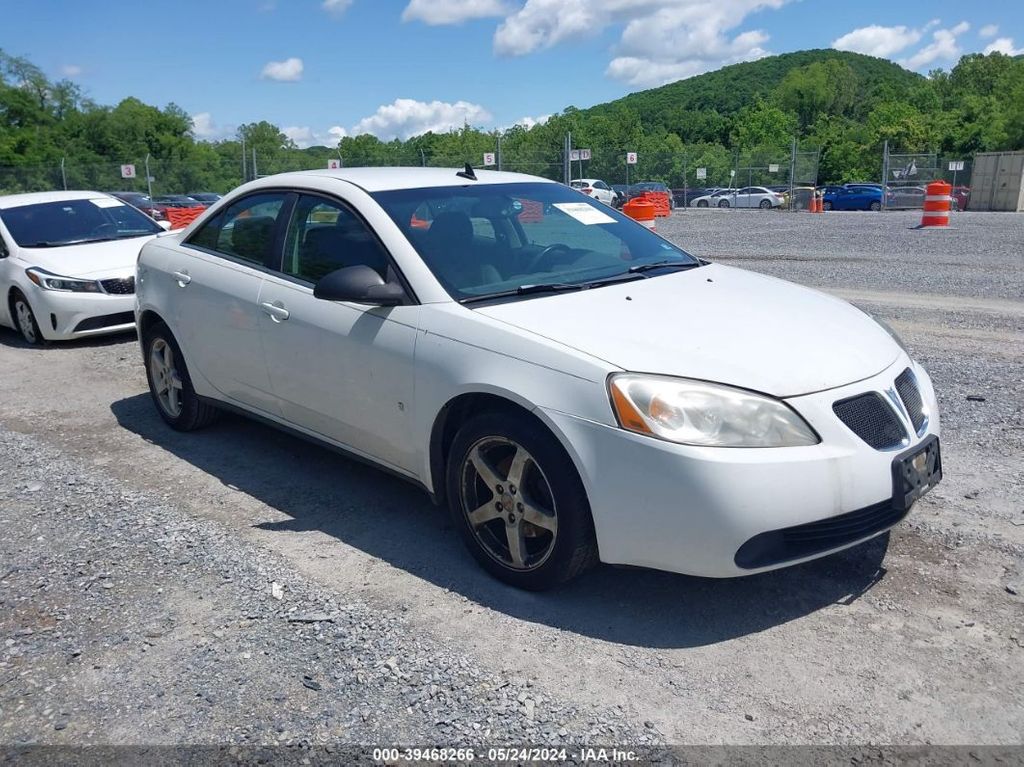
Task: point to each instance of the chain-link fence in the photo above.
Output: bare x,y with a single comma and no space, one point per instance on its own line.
690,171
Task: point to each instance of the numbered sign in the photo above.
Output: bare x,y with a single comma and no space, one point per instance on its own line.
584,154
631,158
702,173
773,167
489,159
127,171
333,164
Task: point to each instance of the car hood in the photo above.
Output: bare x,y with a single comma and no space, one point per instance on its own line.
97,259
715,323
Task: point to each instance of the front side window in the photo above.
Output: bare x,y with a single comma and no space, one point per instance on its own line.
324,236
76,222
535,234
245,230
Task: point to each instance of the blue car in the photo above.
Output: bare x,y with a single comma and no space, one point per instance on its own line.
853,197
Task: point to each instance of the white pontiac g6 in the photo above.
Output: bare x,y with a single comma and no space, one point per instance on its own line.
574,387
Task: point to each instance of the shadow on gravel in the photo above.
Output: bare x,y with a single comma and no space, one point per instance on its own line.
395,521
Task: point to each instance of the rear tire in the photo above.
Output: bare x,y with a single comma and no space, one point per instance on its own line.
25,320
764,205
875,206
702,203
826,206
518,502
170,385
723,203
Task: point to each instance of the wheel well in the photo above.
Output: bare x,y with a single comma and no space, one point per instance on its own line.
451,418
147,322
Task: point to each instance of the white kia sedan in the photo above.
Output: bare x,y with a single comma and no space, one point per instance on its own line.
574,387
67,264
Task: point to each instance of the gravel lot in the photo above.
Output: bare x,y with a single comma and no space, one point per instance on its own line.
240,586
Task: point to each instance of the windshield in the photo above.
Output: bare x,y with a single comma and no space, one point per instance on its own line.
488,240
74,222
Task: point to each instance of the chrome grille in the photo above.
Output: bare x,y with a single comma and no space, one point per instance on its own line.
906,385
119,287
871,418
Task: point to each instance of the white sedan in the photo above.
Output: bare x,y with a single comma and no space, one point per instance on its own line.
574,387
67,264
596,188
747,197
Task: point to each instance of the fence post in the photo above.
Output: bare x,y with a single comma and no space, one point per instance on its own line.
498,152
149,178
255,173
63,175
885,171
792,175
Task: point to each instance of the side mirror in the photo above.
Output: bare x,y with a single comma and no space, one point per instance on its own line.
164,224
359,284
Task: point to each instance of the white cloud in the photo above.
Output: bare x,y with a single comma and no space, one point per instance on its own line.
878,41
438,12
287,71
306,137
1003,45
71,70
663,40
336,8
944,47
204,128
407,117
989,30
529,122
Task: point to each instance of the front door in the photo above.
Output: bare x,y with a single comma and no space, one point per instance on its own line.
342,370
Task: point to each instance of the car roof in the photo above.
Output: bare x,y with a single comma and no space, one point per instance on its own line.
35,198
387,179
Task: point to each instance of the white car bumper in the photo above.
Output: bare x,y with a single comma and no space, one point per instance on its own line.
690,509
65,316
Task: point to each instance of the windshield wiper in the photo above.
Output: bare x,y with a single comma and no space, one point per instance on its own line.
525,290
662,265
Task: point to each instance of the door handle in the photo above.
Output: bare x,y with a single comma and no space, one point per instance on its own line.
277,313
183,278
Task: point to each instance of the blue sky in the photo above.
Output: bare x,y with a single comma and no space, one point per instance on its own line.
325,68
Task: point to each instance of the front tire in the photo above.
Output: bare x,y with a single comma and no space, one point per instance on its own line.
170,385
827,206
25,320
702,203
875,206
518,502
723,203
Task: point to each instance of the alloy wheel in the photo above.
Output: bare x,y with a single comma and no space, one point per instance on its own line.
26,323
508,503
166,380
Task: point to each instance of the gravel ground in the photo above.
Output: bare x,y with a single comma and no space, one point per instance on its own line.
138,566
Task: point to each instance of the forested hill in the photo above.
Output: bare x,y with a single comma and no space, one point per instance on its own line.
728,90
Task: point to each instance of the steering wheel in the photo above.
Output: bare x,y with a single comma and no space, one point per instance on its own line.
537,260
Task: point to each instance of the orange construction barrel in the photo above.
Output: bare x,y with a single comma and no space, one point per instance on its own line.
640,210
937,202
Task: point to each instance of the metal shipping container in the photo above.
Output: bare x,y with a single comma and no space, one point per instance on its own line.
997,181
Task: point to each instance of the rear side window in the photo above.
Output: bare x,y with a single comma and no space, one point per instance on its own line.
245,230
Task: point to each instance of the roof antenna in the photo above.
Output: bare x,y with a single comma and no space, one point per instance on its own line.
467,173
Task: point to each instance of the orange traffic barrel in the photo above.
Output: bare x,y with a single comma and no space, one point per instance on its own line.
182,217
640,210
937,202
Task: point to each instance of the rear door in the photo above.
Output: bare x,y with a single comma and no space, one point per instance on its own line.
341,370
216,280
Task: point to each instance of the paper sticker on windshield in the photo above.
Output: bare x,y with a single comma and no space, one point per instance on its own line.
106,202
584,212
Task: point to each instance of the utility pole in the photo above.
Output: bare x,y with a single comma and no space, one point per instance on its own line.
792,174
568,162
245,170
255,173
498,152
149,178
63,175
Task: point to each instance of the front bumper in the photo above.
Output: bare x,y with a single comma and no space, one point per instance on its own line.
690,509
65,316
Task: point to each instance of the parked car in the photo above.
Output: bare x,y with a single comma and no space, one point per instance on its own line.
750,197
853,197
67,264
637,189
206,198
711,198
594,187
909,197
494,359
178,201
143,202
682,197
961,197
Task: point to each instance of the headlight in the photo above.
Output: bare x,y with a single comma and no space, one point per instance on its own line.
48,281
699,413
